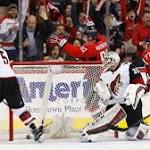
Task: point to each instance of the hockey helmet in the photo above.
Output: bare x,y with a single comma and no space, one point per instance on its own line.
88,26
112,58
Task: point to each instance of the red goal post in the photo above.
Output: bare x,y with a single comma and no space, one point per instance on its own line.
66,94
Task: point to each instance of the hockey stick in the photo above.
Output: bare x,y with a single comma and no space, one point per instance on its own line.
44,104
114,101
116,128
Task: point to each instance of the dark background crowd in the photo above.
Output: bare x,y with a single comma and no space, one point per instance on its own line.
124,23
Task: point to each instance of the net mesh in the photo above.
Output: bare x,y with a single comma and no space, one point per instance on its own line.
70,96
91,73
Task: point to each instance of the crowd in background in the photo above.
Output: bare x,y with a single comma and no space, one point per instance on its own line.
124,23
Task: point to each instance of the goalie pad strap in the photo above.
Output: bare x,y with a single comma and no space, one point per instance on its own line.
111,116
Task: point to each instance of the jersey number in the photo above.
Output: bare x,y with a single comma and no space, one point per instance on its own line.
5,60
102,55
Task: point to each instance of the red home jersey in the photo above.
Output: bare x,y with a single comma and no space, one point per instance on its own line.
88,50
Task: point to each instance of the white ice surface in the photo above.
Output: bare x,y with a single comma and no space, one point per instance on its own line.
74,144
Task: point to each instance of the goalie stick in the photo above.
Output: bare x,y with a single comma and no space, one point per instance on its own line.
116,128
114,101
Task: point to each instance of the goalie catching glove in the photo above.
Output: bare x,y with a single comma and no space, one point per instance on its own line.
103,95
102,90
133,94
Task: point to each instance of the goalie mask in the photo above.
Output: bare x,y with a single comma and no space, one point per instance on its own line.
112,59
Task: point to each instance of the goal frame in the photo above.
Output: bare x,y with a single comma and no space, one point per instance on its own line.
11,119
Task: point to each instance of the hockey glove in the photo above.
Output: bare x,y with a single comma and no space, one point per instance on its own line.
54,39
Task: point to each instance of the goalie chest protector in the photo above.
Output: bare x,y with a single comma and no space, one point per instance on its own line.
118,80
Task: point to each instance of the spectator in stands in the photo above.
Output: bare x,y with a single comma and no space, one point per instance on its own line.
60,30
8,32
120,49
98,11
61,33
33,40
79,35
147,7
94,49
67,14
53,53
65,19
77,42
129,23
131,14
43,21
142,33
81,21
115,35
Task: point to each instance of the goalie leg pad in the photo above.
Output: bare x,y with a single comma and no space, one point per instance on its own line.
137,133
111,116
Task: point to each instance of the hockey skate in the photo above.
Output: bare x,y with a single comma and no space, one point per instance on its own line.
37,134
85,137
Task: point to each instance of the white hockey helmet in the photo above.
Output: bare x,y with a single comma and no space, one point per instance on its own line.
112,58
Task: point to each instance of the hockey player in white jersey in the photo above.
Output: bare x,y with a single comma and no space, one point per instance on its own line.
10,91
124,84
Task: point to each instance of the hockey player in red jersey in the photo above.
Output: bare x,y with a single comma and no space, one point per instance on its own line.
10,91
146,59
124,84
96,47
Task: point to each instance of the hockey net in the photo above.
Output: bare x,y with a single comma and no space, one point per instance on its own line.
60,91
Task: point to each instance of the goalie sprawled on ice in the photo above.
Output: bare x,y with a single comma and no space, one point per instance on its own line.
123,85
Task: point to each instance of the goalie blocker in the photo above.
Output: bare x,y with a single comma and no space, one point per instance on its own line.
122,80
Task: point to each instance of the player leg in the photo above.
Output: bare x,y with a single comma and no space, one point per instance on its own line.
95,103
13,97
112,116
133,107
137,130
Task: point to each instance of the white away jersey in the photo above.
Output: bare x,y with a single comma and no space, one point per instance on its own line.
118,80
5,68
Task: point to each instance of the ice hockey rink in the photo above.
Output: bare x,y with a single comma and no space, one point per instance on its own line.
75,144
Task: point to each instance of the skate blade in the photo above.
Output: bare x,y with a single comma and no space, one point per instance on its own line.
41,140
